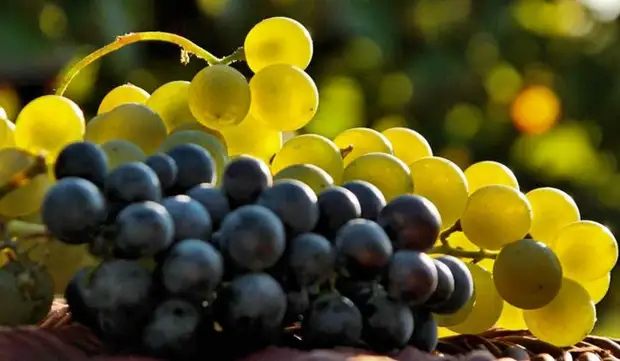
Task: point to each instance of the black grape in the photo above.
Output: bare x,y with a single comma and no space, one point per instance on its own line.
445,284
191,219
424,335
73,210
76,294
298,303
172,329
253,237
244,179
131,182
337,206
214,201
332,321
359,292
194,166
165,167
363,249
294,202
463,286
142,230
369,196
193,269
412,222
388,325
83,160
310,259
412,277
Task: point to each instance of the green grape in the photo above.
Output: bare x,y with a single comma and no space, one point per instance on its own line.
278,40
219,96
443,332
409,145
511,318
14,311
527,284
448,320
552,209
47,124
362,141
567,320
597,289
487,173
284,97
587,250
443,183
488,306
7,132
310,149
170,101
385,171
36,286
123,94
496,215
458,240
315,177
132,122
197,126
251,137
119,152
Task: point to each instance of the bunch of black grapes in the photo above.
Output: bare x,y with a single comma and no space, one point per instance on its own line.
188,267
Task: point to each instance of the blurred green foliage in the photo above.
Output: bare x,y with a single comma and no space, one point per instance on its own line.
534,84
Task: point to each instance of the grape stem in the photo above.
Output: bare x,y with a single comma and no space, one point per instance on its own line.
445,248
187,47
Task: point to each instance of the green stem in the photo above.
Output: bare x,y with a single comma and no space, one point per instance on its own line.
474,255
443,236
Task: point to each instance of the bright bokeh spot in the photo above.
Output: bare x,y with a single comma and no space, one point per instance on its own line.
395,90
482,52
460,156
9,101
52,20
389,121
463,121
363,54
212,7
535,110
502,83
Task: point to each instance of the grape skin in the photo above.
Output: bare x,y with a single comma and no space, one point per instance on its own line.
253,138
311,259
244,179
84,160
388,325
370,198
214,201
445,284
384,171
190,218
294,203
119,152
363,249
315,177
165,167
194,166
337,206
170,101
463,286
408,144
487,173
424,336
171,331
363,141
122,94
131,182
332,321
36,285
13,310
412,277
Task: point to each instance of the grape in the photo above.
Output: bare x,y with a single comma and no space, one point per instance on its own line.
332,321
192,269
194,166
170,101
219,96
131,182
337,206
313,176
294,203
47,124
552,209
443,183
14,310
297,303
132,122
359,292
201,128
191,219
73,210
119,152
284,97
424,336
7,132
458,240
487,173
165,167
598,288
445,285
455,318
388,325
36,285
171,331
411,221
244,179
527,274
511,318
587,250
463,287
142,230
362,141
363,249
310,149
370,198
253,237
311,259
409,145
412,277
214,201
253,138
76,294
278,40
84,160
123,94
495,216
384,171
567,319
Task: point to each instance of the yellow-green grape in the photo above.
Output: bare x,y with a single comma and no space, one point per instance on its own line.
443,183
3,114
170,102
458,240
408,144
278,40
119,152
310,149
7,132
132,122
197,126
47,124
459,316
488,306
496,215
385,171
123,94
315,177
567,320
511,318
552,209
598,288
527,274
486,173
219,96
284,97
587,250
443,332
362,141
253,138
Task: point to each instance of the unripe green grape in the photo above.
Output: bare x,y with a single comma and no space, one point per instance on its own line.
7,132
552,209
253,138
170,101
122,94
385,171
487,173
409,145
315,177
362,141
119,152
